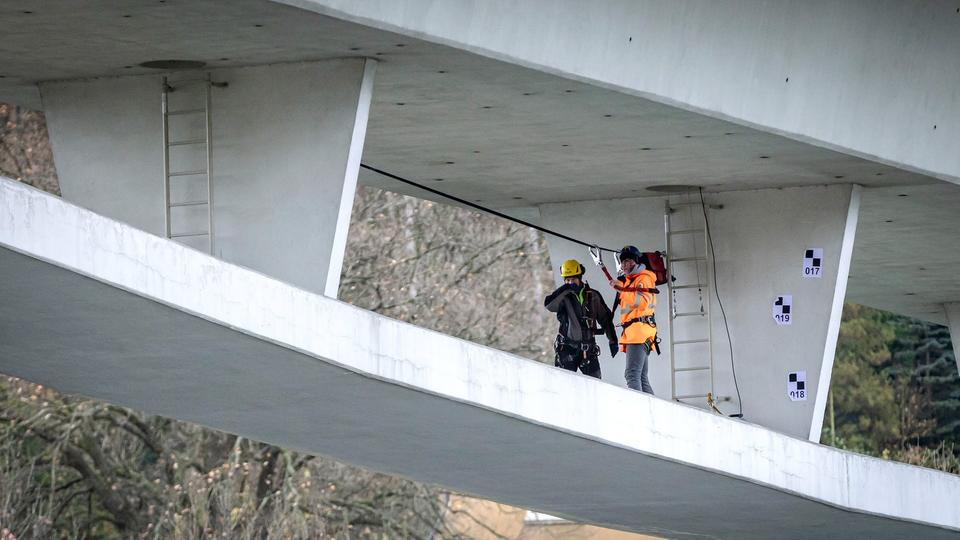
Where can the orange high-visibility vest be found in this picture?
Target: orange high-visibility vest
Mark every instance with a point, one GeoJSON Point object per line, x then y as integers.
{"type": "Point", "coordinates": [634, 305]}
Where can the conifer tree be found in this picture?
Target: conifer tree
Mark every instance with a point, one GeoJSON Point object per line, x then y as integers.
{"type": "Point", "coordinates": [924, 353]}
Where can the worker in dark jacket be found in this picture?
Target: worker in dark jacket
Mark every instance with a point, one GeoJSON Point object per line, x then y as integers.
{"type": "Point", "coordinates": [582, 314]}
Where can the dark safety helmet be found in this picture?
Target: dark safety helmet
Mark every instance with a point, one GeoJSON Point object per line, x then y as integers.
{"type": "Point", "coordinates": [631, 252]}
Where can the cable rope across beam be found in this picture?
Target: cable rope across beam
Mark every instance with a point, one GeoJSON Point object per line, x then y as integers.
{"type": "Point", "coordinates": [485, 209]}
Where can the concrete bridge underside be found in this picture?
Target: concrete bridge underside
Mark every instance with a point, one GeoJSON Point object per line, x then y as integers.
{"type": "Point", "coordinates": [494, 102]}
{"type": "Point", "coordinates": [95, 307]}
{"type": "Point", "coordinates": [853, 151]}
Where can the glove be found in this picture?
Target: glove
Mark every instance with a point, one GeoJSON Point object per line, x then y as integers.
{"type": "Point", "coordinates": [614, 349]}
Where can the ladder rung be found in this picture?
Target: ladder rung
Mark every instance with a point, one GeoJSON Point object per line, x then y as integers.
{"type": "Point", "coordinates": [686, 341]}
{"type": "Point", "coordinates": [181, 235]}
{"type": "Point", "coordinates": [187, 203]}
{"type": "Point", "coordinates": [173, 84]}
{"type": "Point", "coordinates": [682, 259]}
{"type": "Point", "coordinates": [185, 111]}
{"type": "Point", "coordinates": [694, 286]}
{"type": "Point", "coordinates": [691, 396]}
{"type": "Point", "coordinates": [187, 173]}
{"type": "Point", "coordinates": [690, 314]}
{"type": "Point", "coordinates": [687, 231]}
{"type": "Point", "coordinates": [698, 368]}
{"type": "Point", "coordinates": [697, 203]}
{"type": "Point", "coordinates": [186, 142]}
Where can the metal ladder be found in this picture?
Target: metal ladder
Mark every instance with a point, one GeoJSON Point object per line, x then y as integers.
{"type": "Point", "coordinates": [691, 269]}
{"type": "Point", "coordinates": [179, 141]}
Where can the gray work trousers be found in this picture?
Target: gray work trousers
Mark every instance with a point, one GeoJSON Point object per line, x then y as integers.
{"type": "Point", "coordinates": [636, 372]}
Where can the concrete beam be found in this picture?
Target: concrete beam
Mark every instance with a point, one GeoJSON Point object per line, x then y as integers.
{"type": "Point", "coordinates": [760, 238]}
{"type": "Point", "coordinates": [96, 307]}
{"type": "Point", "coordinates": [908, 250]}
{"type": "Point", "coordinates": [286, 147]}
{"type": "Point", "coordinates": [858, 76]}
{"type": "Point", "coordinates": [952, 312]}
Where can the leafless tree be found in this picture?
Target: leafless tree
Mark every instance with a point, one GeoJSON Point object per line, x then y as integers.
{"type": "Point", "coordinates": [25, 153]}
{"type": "Point", "coordinates": [450, 269]}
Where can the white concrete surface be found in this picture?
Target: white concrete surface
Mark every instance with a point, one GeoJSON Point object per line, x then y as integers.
{"type": "Point", "coordinates": [287, 141]}
{"type": "Point", "coordinates": [952, 312]}
{"type": "Point", "coordinates": [907, 251]}
{"type": "Point", "coordinates": [107, 141]}
{"type": "Point", "coordinates": [492, 130]}
{"type": "Point", "coordinates": [349, 184]}
{"type": "Point", "coordinates": [840, 277]}
{"type": "Point", "coordinates": [859, 76]}
{"type": "Point", "coordinates": [96, 307]}
{"type": "Point", "coordinates": [520, 132]}
{"type": "Point", "coordinates": [759, 238]}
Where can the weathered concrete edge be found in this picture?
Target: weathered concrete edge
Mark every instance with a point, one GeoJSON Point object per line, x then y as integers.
{"type": "Point", "coordinates": [47, 228]}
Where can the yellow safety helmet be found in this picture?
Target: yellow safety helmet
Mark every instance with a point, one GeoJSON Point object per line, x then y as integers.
{"type": "Point", "coordinates": [571, 268]}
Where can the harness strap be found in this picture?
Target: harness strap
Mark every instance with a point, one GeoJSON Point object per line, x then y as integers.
{"type": "Point", "coordinates": [583, 347]}
{"type": "Point", "coordinates": [646, 319]}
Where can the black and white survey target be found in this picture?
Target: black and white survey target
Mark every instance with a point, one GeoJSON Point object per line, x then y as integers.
{"type": "Point", "coordinates": [797, 385]}
{"type": "Point", "coordinates": [783, 310]}
{"type": "Point", "coordinates": [813, 262]}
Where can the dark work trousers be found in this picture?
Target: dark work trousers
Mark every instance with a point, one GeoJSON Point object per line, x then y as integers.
{"type": "Point", "coordinates": [571, 357]}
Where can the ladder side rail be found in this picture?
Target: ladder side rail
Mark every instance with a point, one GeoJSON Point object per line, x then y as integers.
{"type": "Point", "coordinates": [166, 158]}
{"type": "Point", "coordinates": [670, 293]}
{"type": "Point", "coordinates": [705, 303]}
{"type": "Point", "coordinates": [710, 271]}
{"type": "Point", "coordinates": [707, 278]}
{"type": "Point", "coordinates": [208, 134]}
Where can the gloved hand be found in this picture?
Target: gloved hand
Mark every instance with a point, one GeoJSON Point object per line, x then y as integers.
{"type": "Point", "coordinates": [614, 349]}
{"type": "Point", "coordinates": [568, 287]}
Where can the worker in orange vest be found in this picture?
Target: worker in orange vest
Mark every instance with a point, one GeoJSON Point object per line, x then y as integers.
{"type": "Point", "coordinates": [637, 304]}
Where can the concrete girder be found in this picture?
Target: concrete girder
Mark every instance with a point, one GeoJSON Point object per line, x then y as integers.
{"type": "Point", "coordinates": [907, 250]}
{"type": "Point", "coordinates": [860, 77]}
{"type": "Point", "coordinates": [286, 146]}
{"type": "Point", "coordinates": [760, 238]}
{"type": "Point", "coordinates": [501, 131]}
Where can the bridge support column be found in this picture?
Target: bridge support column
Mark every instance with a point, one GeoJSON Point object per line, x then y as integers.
{"type": "Point", "coordinates": [953, 320]}
{"type": "Point", "coordinates": [760, 239]}
{"type": "Point", "coordinates": [286, 143]}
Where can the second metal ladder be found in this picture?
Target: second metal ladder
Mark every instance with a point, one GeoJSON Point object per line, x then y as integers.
{"type": "Point", "coordinates": [183, 132]}
{"type": "Point", "coordinates": [690, 318]}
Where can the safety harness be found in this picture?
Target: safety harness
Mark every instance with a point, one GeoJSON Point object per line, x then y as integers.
{"type": "Point", "coordinates": [654, 343]}
{"type": "Point", "coordinates": [646, 319]}
{"type": "Point", "coordinates": [588, 326]}
{"type": "Point", "coordinates": [583, 346]}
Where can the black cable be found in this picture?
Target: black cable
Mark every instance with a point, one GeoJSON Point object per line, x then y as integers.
{"type": "Point", "coordinates": [485, 209]}
{"type": "Point", "coordinates": [716, 291]}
